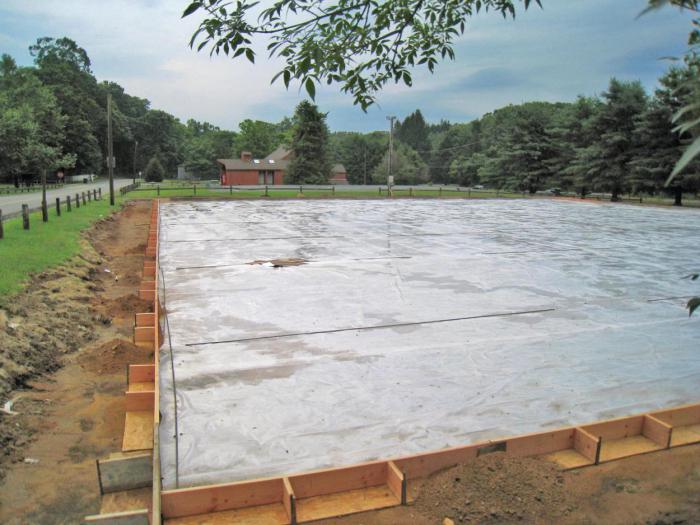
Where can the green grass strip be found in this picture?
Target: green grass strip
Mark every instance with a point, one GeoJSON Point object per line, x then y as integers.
{"type": "Point", "coordinates": [45, 244]}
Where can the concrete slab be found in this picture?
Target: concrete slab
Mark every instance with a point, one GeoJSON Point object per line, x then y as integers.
{"type": "Point", "coordinates": [408, 330]}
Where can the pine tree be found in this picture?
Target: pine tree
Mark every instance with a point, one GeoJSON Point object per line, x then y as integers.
{"type": "Point", "coordinates": [310, 164]}
{"type": "Point", "coordinates": [414, 132]}
{"type": "Point", "coordinates": [610, 155]}
{"type": "Point", "coordinates": [154, 170]}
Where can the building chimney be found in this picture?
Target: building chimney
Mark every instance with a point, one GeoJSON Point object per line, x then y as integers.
{"type": "Point", "coordinates": [246, 156]}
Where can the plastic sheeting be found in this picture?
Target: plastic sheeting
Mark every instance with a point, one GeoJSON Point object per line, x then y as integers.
{"type": "Point", "coordinates": [609, 344]}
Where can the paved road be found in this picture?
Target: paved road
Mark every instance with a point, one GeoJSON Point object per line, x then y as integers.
{"type": "Point", "coordinates": [12, 204]}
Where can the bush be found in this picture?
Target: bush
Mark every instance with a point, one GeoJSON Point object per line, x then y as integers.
{"type": "Point", "coordinates": [154, 171]}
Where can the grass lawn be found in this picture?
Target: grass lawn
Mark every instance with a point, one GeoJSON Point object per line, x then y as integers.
{"type": "Point", "coordinates": [45, 244]}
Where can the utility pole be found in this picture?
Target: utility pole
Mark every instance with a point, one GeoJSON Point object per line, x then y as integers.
{"type": "Point", "coordinates": [391, 119]}
{"type": "Point", "coordinates": [110, 150]}
{"type": "Point", "coordinates": [365, 177]}
{"type": "Point", "coordinates": [136, 145]}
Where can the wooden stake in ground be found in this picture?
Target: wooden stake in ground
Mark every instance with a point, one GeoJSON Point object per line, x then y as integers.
{"type": "Point", "coordinates": [2, 232]}
{"type": "Point", "coordinates": [84, 201]}
{"type": "Point", "coordinates": [58, 206]}
{"type": "Point", "coordinates": [44, 205]}
{"type": "Point", "coordinates": [77, 200]}
{"type": "Point", "coordinates": [68, 203]}
{"type": "Point", "coordinates": [25, 216]}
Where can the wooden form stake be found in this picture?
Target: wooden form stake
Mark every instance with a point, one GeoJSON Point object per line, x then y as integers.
{"type": "Point", "coordinates": [58, 206]}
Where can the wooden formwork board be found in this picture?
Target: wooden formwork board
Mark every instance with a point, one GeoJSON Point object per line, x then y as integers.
{"type": "Point", "coordinates": [684, 422]}
{"type": "Point", "coordinates": [368, 486]}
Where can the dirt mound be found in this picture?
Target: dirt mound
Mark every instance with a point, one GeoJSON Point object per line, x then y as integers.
{"type": "Point", "coordinates": [126, 306]}
{"type": "Point", "coordinates": [52, 318]}
{"type": "Point", "coordinates": [496, 489]}
{"type": "Point", "coordinates": [110, 356]}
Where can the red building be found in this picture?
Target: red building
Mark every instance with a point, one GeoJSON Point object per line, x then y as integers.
{"type": "Point", "coordinates": [248, 170]}
{"type": "Point", "coordinates": [268, 171]}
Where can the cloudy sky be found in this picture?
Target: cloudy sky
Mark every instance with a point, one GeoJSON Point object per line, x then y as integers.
{"type": "Point", "coordinates": [570, 47]}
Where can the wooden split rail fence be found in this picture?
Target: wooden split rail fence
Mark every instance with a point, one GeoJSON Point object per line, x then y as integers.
{"type": "Point", "coordinates": [68, 203]}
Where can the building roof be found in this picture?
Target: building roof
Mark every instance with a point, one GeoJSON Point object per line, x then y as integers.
{"type": "Point", "coordinates": [281, 153]}
{"type": "Point", "coordinates": [338, 168]}
{"type": "Point", "coordinates": [253, 164]}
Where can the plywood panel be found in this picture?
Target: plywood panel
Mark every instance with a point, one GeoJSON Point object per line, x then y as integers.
{"type": "Point", "coordinates": [658, 431]}
{"type": "Point", "coordinates": [215, 498]}
{"type": "Point", "coordinates": [540, 443]}
{"type": "Point", "coordinates": [344, 503]}
{"type": "Point", "coordinates": [141, 373]}
{"type": "Point", "coordinates": [329, 481]}
{"type": "Point", "coordinates": [420, 465]}
{"type": "Point", "coordinates": [685, 435]}
{"type": "Point", "coordinates": [144, 333]}
{"type": "Point", "coordinates": [145, 319]}
{"type": "Point", "coordinates": [138, 431]}
{"type": "Point", "coordinates": [139, 400]}
{"type": "Point", "coordinates": [680, 416]}
{"type": "Point", "coordinates": [625, 447]}
{"type": "Point", "coordinates": [568, 459]}
{"type": "Point", "coordinates": [616, 428]}
{"type": "Point", "coordinates": [587, 445]}
{"type": "Point", "coordinates": [125, 473]}
{"type": "Point", "coordinates": [396, 482]}
{"type": "Point", "coordinates": [263, 515]}
{"type": "Point", "coordinates": [141, 387]}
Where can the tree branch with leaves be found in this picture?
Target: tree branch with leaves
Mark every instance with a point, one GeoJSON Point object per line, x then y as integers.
{"type": "Point", "coordinates": [360, 45]}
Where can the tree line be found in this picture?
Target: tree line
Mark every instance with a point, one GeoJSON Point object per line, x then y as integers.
{"type": "Point", "coordinates": [623, 141]}
{"type": "Point", "coordinates": [53, 116]}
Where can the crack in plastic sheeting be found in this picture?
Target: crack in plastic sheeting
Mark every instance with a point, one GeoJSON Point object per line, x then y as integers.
{"type": "Point", "coordinates": [374, 327]}
{"type": "Point", "coordinates": [172, 373]}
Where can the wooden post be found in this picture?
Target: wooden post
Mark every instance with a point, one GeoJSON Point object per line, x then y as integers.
{"type": "Point", "coordinates": [266, 193]}
{"type": "Point", "coordinates": [469, 193]}
{"type": "Point", "coordinates": [380, 190]}
{"type": "Point", "coordinates": [158, 189]}
{"type": "Point", "coordinates": [94, 194]}
{"type": "Point", "coordinates": [77, 200]}
{"type": "Point", "coordinates": [25, 216]}
{"type": "Point", "coordinates": [84, 203]}
{"type": "Point", "coordinates": [99, 192]}
{"type": "Point", "coordinates": [301, 189]}
{"type": "Point", "coordinates": [230, 189]}
{"type": "Point", "coordinates": [68, 203]}
{"type": "Point", "coordinates": [2, 232]}
{"type": "Point", "coordinates": [194, 188]}
{"type": "Point", "coordinates": [410, 191]}
{"type": "Point", "coordinates": [440, 192]}
{"type": "Point", "coordinates": [89, 196]}
{"type": "Point", "coordinates": [58, 206]}
{"type": "Point", "coordinates": [44, 204]}
{"type": "Point", "coordinates": [333, 189]}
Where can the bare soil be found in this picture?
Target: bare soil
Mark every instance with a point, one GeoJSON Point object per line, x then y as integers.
{"type": "Point", "coordinates": [64, 345]}
{"type": "Point", "coordinates": [662, 488]}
